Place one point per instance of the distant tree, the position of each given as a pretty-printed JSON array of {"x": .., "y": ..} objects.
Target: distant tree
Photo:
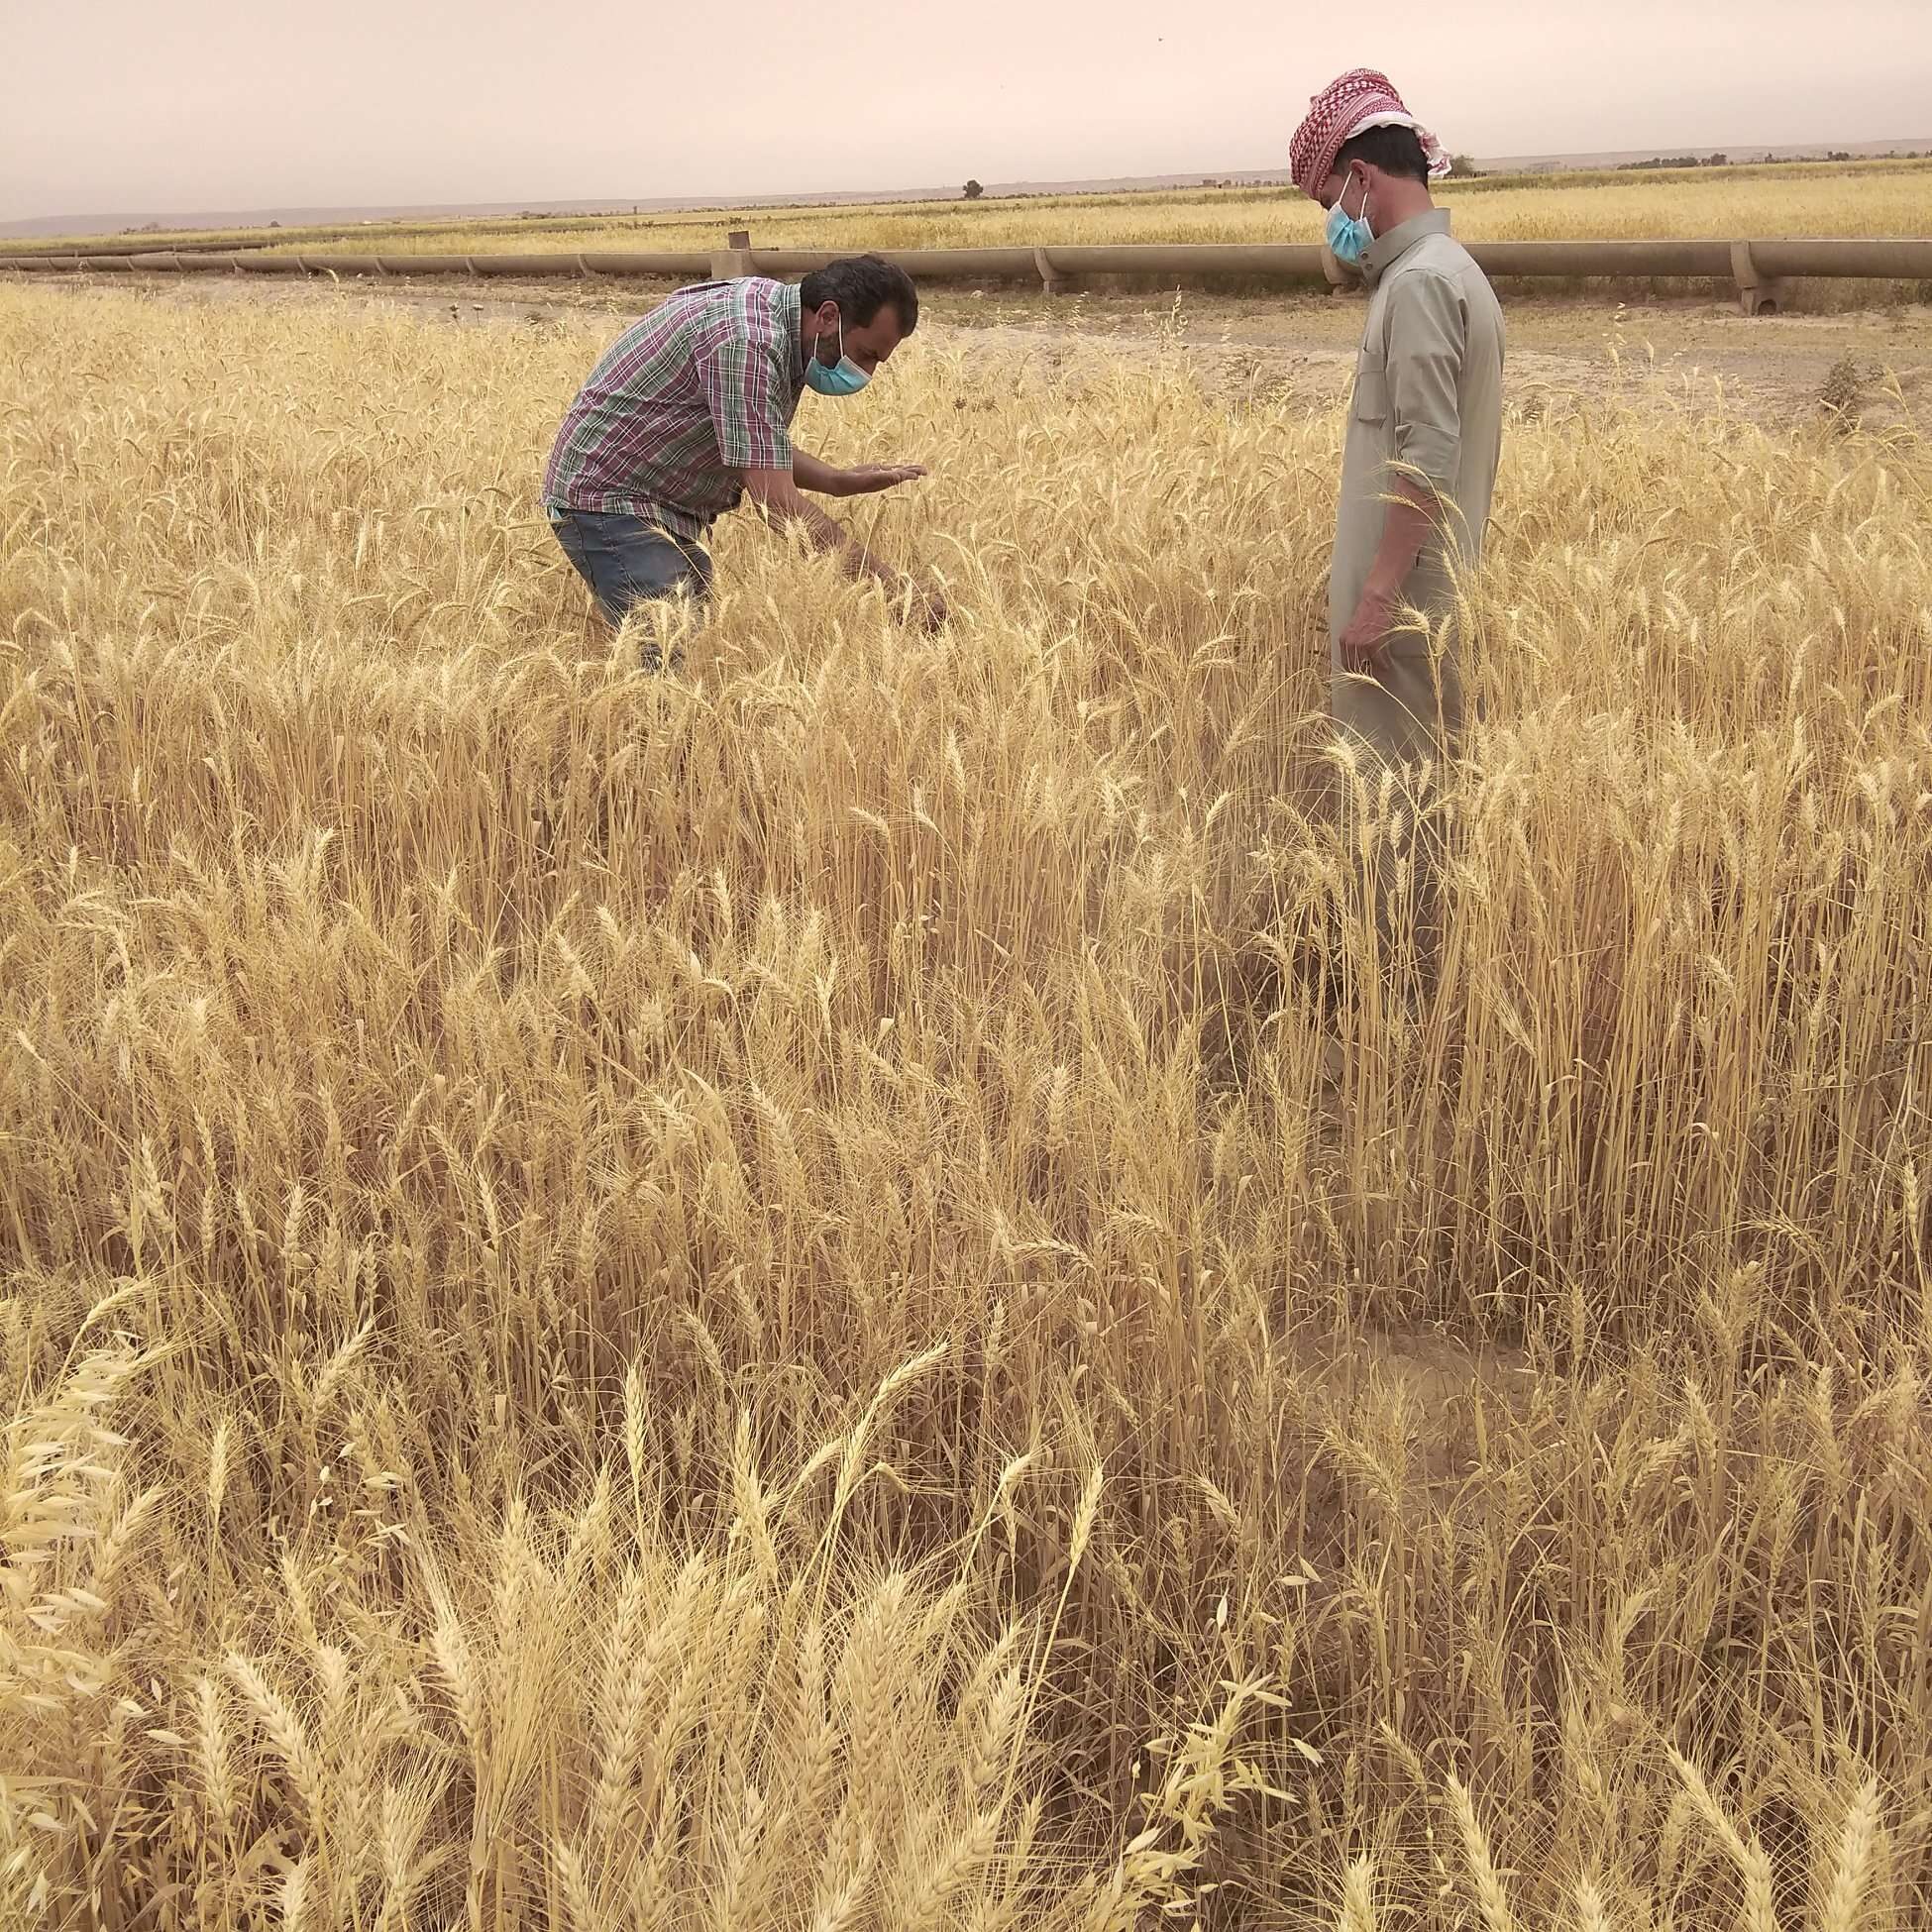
[
  {"x": 973, "y": 190},
  {"x": 1464, "y": 165}
]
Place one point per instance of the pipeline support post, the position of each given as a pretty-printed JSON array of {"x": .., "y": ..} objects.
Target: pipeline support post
[
  {"x": 1758, "y": 294},
  {"x": 1051, "y": 277},
  {"x": 732, "y": 262}
]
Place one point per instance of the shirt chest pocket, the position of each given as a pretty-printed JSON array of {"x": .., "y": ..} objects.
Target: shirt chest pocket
[{"x": 1372, "y": 398}]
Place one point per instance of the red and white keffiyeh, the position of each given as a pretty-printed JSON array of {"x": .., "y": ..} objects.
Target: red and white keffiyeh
[{"x": 1359, "y": 101}]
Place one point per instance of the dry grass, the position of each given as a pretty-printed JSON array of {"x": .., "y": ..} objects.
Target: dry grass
[{"x": 738, "y": 1303}]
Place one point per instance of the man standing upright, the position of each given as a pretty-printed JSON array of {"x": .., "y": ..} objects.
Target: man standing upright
[
  {"x": 690, "y": 411},
  {"x": 1424, "y": 423}
]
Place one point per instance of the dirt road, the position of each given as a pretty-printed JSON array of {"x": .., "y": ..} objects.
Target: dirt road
[{"x": 1776, "y": 369}]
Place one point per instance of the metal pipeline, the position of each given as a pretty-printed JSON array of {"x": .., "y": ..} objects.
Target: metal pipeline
[{"x": 1875, "y": 258}]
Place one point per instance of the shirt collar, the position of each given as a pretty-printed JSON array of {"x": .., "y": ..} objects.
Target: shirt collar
[{"x": 1387, "y": 249}]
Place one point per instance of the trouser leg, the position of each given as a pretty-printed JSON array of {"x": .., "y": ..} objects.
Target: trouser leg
[
  {"x": 637, "y": 568},
  {"x": 1403, "y": 727}
]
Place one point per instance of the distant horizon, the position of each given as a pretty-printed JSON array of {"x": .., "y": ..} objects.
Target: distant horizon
[
  {"x": 98, "y": 222},
  {"x": 213, "y": 105}
]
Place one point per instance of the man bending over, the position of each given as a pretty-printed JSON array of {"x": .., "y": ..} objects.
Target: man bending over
[{"x": 691, "y": 410}]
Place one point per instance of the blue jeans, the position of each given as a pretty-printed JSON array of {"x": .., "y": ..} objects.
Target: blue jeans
[{"x": 628, "y": 561}]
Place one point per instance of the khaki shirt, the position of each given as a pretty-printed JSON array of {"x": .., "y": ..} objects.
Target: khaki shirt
[{"x": 1428, "y": 395}]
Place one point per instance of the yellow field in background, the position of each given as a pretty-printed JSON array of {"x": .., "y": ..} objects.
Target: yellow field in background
[
  {"x": 740, "y": 1302},
  {"x": 1795, "y": 201},
  {"x": 1864, "y": 198}
]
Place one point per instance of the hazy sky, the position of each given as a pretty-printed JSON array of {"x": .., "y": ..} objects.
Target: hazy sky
[{"x": 206, "y": 104}]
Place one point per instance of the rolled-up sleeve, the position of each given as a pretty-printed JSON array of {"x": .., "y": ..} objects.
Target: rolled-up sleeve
[
  {"x": 743, "y": 386},
  {"x": 1426, "y": 331}
]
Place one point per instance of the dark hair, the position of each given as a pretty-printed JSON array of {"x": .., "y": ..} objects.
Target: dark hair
[
  {"x": 861, "y": 285},
  {"x": 1395, "y": 151}
]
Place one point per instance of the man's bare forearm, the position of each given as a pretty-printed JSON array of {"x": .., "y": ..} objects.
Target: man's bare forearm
[
  {"x": 777, "y": 499},
  {"x": 808, "y": 472},
  {"x": 1407, "y": 527},
  {"x": 775, "y": 496},
  {"x": 1410, "y": 523},
  {"x": 853, "y": 557}
]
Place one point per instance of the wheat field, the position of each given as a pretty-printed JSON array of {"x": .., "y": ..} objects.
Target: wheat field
[
  {"x": 740, "y": 1302},
  {"x": 1860, "y": 198},
  {"x": 1869, "y": 198}
]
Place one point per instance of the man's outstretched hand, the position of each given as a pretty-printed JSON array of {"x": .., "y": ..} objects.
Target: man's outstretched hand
[{"x": 871, "y": 476}]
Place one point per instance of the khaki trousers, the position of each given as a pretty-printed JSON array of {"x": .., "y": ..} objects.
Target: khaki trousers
[{"x": 1405, "y": 722}]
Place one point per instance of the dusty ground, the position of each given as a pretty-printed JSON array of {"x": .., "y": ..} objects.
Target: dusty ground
[{"x": 1773, "y": 368}]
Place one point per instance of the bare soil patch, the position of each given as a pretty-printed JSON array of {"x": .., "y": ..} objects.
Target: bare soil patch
[{"x": 1774, "y": 369}]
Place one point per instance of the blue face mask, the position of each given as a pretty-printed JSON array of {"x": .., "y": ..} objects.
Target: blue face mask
[
  {"x": 842, "y": 378},
  {"x": 1349, "y": 236}
]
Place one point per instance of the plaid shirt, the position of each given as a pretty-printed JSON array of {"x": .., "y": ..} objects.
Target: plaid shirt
[{"x": 704, "y": 386}]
